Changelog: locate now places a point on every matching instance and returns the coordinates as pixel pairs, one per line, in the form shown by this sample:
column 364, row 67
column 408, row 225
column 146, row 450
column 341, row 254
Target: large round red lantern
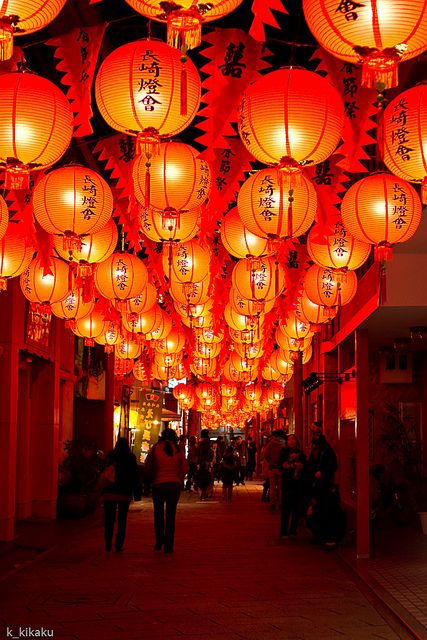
column 72, row 201
column 207, row 350
column 259, row 279
column 291, row 116
column 122, row 367
column 173, row 343
column 325, row 287
column 332, row 246
column 295, row 327
column 249, row 307
column 186, row 261
column 72, row 307
column 110, row 336
column 249, row 351
column 309, row 312
column 145, row 88
column 31, row 137
column 233, row 375
column 44, row 288
column 123, row 275
column 376, row 34
column 381, row 209
column 238, row 240
column 240, row 322
column 280, row 364
column 91, row 326
column 162, row 329
column 184, row 20
column 274, row 204
column 179, row 179
column 128, row 348
column 15, row 254
column 141, row 303
column 166, row 226
column 191, row 292
column 19, row 17
column 146, row 322
column 405, row 136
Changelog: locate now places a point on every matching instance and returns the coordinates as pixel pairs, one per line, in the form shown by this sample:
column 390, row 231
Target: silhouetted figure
column 292, row 462
column 228, row 473
column 251, row 463
column 271, row 455
column 116, row 496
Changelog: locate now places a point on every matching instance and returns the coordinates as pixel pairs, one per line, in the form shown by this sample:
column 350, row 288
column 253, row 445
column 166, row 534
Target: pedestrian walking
column 292, row 462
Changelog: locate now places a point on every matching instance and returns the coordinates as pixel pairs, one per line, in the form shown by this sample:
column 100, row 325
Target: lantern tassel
column 383, row 252
column 147, row 184
column 383, row 283
column 184, row 90
column 290, row 200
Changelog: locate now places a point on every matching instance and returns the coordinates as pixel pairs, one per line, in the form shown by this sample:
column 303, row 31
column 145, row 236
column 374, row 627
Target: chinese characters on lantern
column 400, row 134
column 224, row 168
column 183, row 262
column 121, row 275
column 202, row 191
column 89, row 201
column 349, row 9
column 323, row 173
column 149, row 82
column 259, row 277
column 340, row 239
column 267, row 201
column 400, row 209
column 327, row 283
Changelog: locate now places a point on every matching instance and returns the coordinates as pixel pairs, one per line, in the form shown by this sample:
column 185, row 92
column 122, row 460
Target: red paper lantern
column 376, row 34
column 332, row 246
column 95, row 247
column 162, row 329
column 36, row 125
column 203, row 367
column 324, row 286
column 141, row 303
column 194, row 310
column 274, row 204
column 19, row 17
column 207, row 350
column 72, row 307
column 122, row 276
column 240, row 322
column 249, row 307
column 15, row 254
column 292, row 344
column 128, row 348
column 271, row 374
column 231, row 374
column 44, row 288
column 179, row 179
column 381, row 209
column 209, row 335
column 184, row 20
column 238, row 240
column 259, row 279
column 186, row 261
column 173, row 343
column 72, row 201
column 249, row 351
column 295, row 327
column 122, row 367
column 146, row 322
column 291, row 356
column 291, row 116
column 162, row 226
column 191, row 292
column 110, row 336
column 91, row 326
column 405, row 156
column 4, row 217
column 280, row 364
column 168, row 359
column 313, row 313
column 146, row 88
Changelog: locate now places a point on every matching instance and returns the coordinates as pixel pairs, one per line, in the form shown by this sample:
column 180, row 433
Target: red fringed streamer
column 70, row 277
column 424, row 190
column 183, row 95
column 147, row 184
column 383, row 252
column 38, row 328
column 290, row 200
column 276, row 279
column 87, row 289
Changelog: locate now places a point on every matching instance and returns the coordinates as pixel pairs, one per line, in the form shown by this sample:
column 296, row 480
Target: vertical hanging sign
column 148, row 421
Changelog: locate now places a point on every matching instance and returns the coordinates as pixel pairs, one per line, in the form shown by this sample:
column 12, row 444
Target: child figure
column 228, row 474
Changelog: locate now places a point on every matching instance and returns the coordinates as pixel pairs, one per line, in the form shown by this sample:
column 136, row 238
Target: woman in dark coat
column 117, row 494
column 292, row 463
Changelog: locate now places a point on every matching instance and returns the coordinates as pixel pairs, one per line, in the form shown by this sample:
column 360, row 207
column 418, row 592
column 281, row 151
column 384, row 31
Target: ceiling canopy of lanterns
column 215, row 256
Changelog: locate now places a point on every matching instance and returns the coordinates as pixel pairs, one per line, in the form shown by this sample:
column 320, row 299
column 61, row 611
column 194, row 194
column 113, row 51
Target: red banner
column 77, row 52
column 263, row 15
column 118, row 152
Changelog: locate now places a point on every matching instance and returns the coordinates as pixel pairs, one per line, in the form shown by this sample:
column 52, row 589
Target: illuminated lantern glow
column 274, row 393
column 110, row 336
column 45, row 289
column 259, row 279
column 122, row 276
column 291, row 356
column 191, row 292
column 208, row 335
column 4, row 217
column 194, row 310
column 252, row 392
column 198, row 322
column 72, row 307
column 376, row 34
column 292, row 117
column 270, row 373
column 168, row 359
column 179, row 179
column 204, row 367
column 292, row 344
column 238, row 240
column 205, row 390
column 273, row 204
column 243, row 364
column 233, row 375
column 240, row 322
column 91, row 326
column 206, row 350
column 162, row 226
column 295, row 327
column 312, row 313
column 411, row 163
column 139, row 371
column 184, row 20
column 173, row 343
column 72, row 201
column 370, row 213
column 324, row 286
column 332, row 246
column 141, row 303
column 228, row 390
column 122, row 367
column 146, row 322
column 31, row 137
column 162, row 329
column 182, row 392
column 246, row 336
column 128, row 348
column 186, row 261
column 127, row 108
column 95, row 247
column 280, row 364
column 15, row 254
column 249, row 351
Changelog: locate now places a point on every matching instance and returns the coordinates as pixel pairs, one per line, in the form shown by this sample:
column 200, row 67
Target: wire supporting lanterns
column 170, row 226
column 15, row 254
column 324, row 286
column 148, row 89
column 259, row 279
column 381, row 209
column 72, row 202
column 332, row 246
column 179, row 179
column 19, row 17
column 186, row 262
column 31, row 138
column 184, row 21
column 405, row 136
column 292, row 117
column 41, row 287
column 376, row 34
column 120, row 277
column 238, row 240
column 272, row 203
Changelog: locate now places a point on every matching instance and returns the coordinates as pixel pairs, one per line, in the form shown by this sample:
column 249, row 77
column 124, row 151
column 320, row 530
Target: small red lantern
column 259, row 279
column 324, row 286
column 44, row 288
column 122, row 276
column 173, row 343
column 238, row 240
column 15, row 254
column 381, row 209
column 186, row 261
column 332, row 246
column 309, row 312
column 72, row 307
column 91, row 326
column 31, row 137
